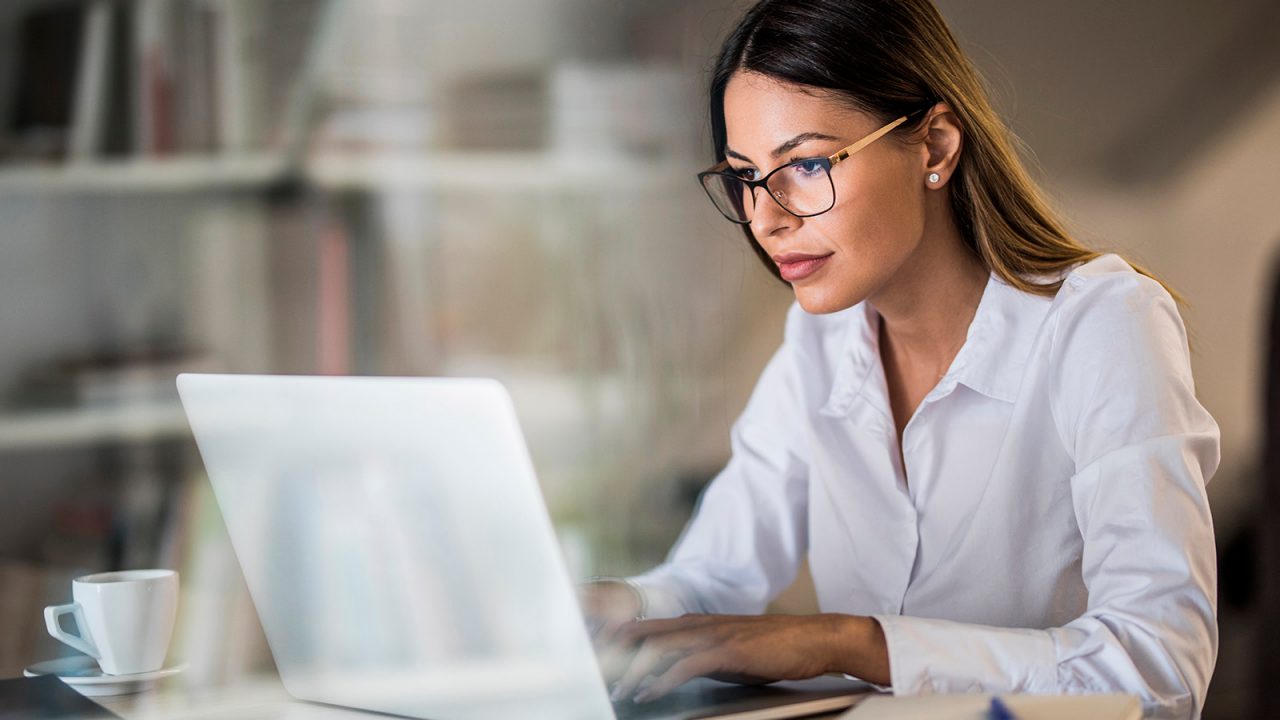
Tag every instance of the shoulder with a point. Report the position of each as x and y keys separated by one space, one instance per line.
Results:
x=1105 y=304
x=1109 y=283
x=1120 y=363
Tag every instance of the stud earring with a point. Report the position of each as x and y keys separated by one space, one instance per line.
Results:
x=934 y=177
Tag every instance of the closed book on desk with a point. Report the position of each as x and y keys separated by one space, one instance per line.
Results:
x=975 y=707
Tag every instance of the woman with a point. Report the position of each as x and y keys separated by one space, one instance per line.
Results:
x=983 y=436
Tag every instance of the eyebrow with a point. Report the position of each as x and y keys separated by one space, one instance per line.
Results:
x=785 y=147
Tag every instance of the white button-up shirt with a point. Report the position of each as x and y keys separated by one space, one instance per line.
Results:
x=1046 y=530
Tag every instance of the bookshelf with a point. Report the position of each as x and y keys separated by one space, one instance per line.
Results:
x=305 y=244
x=48 y=429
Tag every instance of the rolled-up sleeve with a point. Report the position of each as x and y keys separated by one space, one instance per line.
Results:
x=1144 y=448
x=749 y=531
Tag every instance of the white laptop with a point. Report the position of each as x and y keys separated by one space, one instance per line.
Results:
x=401 y=559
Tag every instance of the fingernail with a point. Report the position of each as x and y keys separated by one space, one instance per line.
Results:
x=616 y=695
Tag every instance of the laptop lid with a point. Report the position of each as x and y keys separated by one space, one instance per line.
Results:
x=401 y=559
x=395 y=543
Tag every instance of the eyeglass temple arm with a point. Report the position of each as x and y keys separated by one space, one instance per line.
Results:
x=845 y=153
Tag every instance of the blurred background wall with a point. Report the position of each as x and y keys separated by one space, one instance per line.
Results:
x=505 y=188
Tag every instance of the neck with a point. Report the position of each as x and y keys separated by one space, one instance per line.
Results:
x=926 y=308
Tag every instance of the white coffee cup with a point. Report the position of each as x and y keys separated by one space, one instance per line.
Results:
x=124 y=618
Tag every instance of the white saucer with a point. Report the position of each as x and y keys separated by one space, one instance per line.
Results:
x=83 y=674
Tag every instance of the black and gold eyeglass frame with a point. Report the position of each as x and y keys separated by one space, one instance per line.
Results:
x=802 y=187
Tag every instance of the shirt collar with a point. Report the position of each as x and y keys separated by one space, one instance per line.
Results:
x=992 y=361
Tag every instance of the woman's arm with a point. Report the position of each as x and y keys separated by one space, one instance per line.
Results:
x=746 y=648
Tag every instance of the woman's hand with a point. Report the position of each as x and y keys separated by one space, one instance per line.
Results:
x=754 y=648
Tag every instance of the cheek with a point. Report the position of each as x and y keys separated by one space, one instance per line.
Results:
x=873 y=233
x=876 y=221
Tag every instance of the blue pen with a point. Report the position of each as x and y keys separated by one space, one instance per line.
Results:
x=1000 y=711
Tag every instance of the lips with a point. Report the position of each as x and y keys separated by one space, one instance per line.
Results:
x=794 y=267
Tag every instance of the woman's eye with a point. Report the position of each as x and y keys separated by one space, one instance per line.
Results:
x=809 y=167
x=745 y=173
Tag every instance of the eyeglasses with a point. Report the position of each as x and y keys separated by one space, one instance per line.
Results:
x=801 y=187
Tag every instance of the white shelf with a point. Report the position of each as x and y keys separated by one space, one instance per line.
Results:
x=492 y=172
x=166 y=175
x=529 y=171
x=46 y=429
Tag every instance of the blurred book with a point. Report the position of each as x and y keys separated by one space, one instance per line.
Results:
x=153 y=62
x=310 y=293
x=136 y=379
x=20 y=594
x=377 y=96
x=217 y=630
x=25 y=589
x=260 y=48
x=108 y=377
x=195 y=101
x=497 y=112
x=46 y=61
x=89 y=112
x=620 y=109
x=118 y=108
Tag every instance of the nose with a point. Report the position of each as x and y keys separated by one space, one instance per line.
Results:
x=768 y=217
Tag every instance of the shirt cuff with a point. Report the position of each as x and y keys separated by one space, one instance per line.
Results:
x=940 y=656
x=879 y=688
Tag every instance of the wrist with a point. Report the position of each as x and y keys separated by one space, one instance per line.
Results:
x=640 y=601
x=857 y=647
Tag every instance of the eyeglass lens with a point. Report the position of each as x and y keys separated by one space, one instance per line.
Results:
x=804 y=188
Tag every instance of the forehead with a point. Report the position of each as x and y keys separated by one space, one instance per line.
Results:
x=760 y=112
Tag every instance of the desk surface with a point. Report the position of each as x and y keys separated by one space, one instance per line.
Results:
x=255 y=699
x=265 y=698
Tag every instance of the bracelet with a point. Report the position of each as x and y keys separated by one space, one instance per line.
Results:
x=635 y=589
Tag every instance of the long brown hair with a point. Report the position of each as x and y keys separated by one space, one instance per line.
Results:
x=887 y=58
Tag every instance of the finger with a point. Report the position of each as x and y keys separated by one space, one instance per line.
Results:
x=614 y=650
x=613 y=664
x=614 y=661
x=680 y=672
x=649 y=659
x=636 y=671
x=635 y=632
x=682 y=636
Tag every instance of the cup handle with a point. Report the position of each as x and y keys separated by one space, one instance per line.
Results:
x=81 y=642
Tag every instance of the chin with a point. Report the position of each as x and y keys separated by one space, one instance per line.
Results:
x=820 y=300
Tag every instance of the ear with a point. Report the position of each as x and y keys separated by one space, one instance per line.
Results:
x=942 y=142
